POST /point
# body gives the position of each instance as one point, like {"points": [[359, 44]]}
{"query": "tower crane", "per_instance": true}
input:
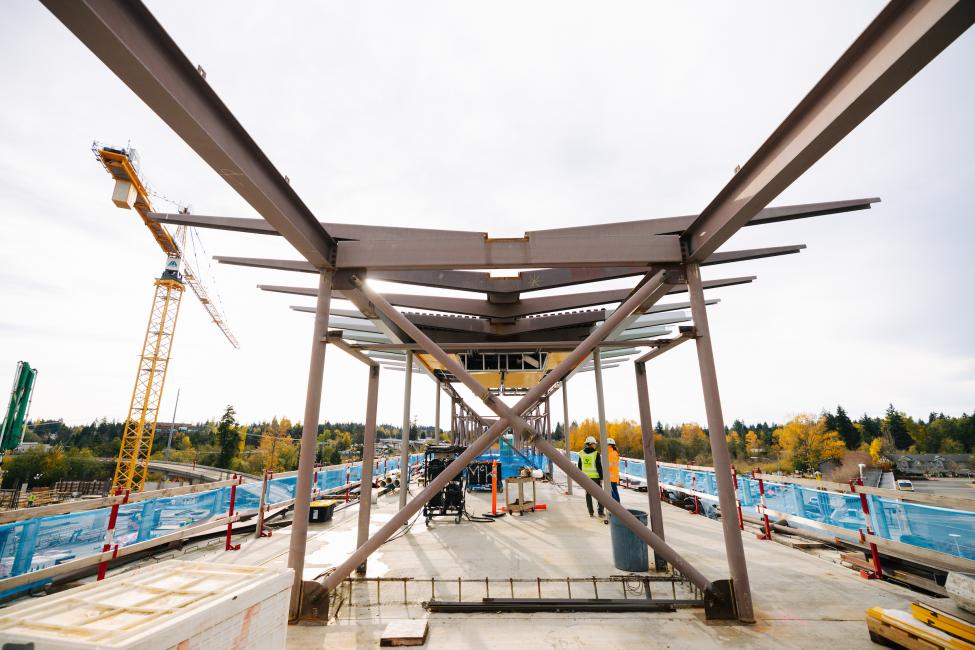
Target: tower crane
{"points": [[140, 425]]}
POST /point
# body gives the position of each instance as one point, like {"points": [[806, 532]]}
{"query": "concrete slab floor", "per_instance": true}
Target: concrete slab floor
{"points": [[801, 601]]}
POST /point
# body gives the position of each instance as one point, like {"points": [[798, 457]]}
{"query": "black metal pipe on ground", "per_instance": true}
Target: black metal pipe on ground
{"points": [[510, 605]]}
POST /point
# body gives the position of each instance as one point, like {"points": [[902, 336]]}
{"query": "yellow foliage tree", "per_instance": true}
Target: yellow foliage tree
{"points": [[626, 433], [696, 443], [586, 428], [879, 448], [805, 442], [752, 445]]}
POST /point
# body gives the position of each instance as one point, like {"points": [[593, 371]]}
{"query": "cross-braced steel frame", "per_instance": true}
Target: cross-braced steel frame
{"points": [[664, 254]]}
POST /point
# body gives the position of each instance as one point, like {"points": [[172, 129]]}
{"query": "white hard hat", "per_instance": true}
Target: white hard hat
{"points": [[590, 440], [610, 441]]}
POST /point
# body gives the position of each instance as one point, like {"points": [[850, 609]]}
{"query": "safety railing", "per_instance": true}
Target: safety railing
{"points": [[945, 525], [36, 543]]}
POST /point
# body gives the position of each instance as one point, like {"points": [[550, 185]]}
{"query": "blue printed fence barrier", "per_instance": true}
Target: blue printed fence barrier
{"points": [[945, 530], [43, 542]]}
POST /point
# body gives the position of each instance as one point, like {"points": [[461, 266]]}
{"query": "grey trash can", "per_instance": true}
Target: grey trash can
{"points": [[629, 551]]}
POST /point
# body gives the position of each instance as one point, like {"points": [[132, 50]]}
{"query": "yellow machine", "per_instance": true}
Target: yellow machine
{"points": [[140, 424]]}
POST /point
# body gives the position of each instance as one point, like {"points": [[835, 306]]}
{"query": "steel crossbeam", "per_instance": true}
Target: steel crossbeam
{"points": [[649, 292]]}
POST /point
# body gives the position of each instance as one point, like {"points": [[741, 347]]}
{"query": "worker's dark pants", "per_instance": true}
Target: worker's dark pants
{"points": [[616, 491], [589, 498]]}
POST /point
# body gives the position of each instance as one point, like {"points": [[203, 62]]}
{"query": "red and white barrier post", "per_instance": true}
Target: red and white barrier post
{"points": [[734, 479], [877, 572], [110, 533], [230, 513], [761, 491]]}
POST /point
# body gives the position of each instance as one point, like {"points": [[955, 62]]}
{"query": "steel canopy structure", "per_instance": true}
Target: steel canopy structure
{"points": [[505, 342]]}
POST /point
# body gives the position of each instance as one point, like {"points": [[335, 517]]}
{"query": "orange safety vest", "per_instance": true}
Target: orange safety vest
{"points": [[614, 466]]}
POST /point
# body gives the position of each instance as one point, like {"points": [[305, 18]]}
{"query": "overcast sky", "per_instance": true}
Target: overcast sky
{"points": [[502, 117]]}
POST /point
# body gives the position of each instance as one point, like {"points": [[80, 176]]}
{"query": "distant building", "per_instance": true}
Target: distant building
{"points": [[931, 464], [27, 446]]}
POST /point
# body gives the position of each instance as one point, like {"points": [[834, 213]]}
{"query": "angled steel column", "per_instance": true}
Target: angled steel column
{"points": [[404, 456], [646, 294], [650, 459], [309, 437], [719, 448], [436, 413], [643, 296], [565, 430], [601, 407], [368, 457]]}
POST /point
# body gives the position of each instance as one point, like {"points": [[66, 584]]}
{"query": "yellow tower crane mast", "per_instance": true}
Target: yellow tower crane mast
{"points": [[140, 424]]}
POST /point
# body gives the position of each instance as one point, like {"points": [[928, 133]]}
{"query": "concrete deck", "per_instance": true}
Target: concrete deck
{"points": [[801, 601]]}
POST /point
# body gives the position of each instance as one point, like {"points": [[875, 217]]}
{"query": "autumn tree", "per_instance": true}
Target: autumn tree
{"points": [[805, 442], [752, 443], [696, 444]]}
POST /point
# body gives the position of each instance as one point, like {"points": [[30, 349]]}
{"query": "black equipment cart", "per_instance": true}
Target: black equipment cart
{"points": [[450, 501]]}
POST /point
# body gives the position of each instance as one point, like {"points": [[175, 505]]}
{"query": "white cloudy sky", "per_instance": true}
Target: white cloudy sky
{"points": [[505, 117]]}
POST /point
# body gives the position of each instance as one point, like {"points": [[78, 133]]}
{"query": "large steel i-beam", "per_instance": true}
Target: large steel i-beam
{"points": [[404, 457], [309, 439], [565, 431], [656, 514], [719, 448]]}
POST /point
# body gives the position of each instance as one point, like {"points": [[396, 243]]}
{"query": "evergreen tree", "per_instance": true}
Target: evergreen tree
{"points": [[896, 428], [228, 437], [871, 427], [843, 425]]}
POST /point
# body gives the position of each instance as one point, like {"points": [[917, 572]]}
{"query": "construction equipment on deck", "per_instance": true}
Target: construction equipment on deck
{"points": [[451, 500], [140, 424], [12, 427]]}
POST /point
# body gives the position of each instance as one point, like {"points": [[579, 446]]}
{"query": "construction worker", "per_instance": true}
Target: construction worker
{"points": [[614, 468], [591, 465]]}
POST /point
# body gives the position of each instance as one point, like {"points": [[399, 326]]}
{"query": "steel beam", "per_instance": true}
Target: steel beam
{"points": [[719, 448], [900, 41], [336, 340], [508, 346], [437, 254], [404, 467], [436, 411], [650, 460], [131, 43], [648, 292], [501, 289], [677, 225], [565, 431], [309, 440], [685, 335], [525, 307], [643, 333], [589, 367], [368, 458], [597, 367], [339, 231], [529, 280]]}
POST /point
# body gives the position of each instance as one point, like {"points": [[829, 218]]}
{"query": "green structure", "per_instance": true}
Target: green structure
{"points": [[12, 429]]}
